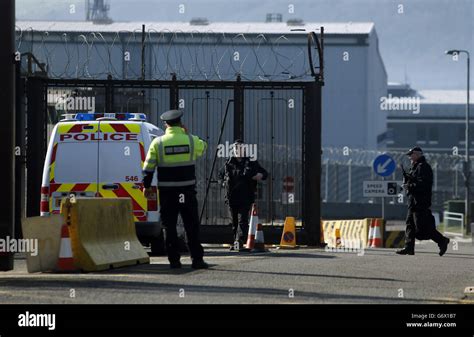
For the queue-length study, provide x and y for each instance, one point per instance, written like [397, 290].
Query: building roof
[444, 96]
[432, 104]
[342, 28]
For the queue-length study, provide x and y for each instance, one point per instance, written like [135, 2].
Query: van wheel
[158, 245]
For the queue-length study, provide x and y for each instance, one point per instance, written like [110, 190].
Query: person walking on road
[240, 176]
[420, 222]
[174, 155]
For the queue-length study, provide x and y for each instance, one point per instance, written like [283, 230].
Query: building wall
[376, 88]
[345, 97]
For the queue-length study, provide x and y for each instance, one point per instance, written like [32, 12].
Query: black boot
[406, 251]
[443, 247]
[200, 264]
[175, 265]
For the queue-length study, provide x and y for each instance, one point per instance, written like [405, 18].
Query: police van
[102, 155]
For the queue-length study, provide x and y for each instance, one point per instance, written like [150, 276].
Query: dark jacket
[237, 178]
[420, 185]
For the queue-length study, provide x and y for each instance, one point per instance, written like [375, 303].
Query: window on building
[434, 135]
[462, 134]
[421, 134]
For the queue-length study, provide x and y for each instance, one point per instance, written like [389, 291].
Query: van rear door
[74, 162]
[121, 154]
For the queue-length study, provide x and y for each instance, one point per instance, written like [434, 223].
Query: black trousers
[419, 227]
[240, 221]
[180, 201]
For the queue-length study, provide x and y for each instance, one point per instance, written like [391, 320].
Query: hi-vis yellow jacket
[173, 155]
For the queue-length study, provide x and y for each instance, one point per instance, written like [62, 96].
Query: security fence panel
[205, 115]
[343, 172]
[150, 101]
[273, 126]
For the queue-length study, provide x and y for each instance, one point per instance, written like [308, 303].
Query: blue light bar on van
[125, 116]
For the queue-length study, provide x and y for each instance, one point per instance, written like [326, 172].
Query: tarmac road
[310, 275]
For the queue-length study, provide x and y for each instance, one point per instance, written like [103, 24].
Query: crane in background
[97, 11]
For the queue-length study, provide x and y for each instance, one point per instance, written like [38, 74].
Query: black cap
[415, 149]
[171, 115]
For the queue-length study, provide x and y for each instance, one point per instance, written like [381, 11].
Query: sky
[413, 34]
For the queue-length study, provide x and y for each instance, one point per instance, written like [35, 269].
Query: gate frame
[311, 131]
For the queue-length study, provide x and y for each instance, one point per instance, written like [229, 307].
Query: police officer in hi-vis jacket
[173, 155]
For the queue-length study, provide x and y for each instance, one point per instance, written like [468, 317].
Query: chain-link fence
[344, 170]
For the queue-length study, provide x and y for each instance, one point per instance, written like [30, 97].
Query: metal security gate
[272, 116]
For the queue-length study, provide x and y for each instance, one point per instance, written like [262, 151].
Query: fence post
[349, 174]
[326, 182]
[20, 161]
[109, 96]
[238, 109]
[174, 93]
[36, 143]
[312, 163]
[456, 182]
[7, 121]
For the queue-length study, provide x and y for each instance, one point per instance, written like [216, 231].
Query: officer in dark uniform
[420, 222]
[174, 155]
[240, 176]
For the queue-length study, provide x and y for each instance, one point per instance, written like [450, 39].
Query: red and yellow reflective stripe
[126, 190]
[70, 187]
[119, 127]
[142, 153]
[77, 128]
[52, 164]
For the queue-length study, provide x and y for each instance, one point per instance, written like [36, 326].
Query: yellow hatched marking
[91, 188]
[51, 171]
[64, 127]
[135, 128]
[106, 128]
[136, 194]
[93, 130]
[107, 194]
[65, 187]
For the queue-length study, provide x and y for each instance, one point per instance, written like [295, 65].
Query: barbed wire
[361, 157]
[190, 55]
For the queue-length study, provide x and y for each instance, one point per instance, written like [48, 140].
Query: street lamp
[467, 167]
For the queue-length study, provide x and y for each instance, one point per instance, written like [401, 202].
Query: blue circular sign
[384, 165]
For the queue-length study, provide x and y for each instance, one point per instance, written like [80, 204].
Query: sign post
[384, 165]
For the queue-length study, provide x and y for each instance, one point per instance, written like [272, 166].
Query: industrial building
[435, 120]
[355, 76]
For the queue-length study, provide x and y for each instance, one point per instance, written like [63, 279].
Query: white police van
[97, 155]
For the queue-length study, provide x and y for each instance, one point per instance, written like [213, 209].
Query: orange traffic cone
[338, 237]
[321, 233]
[377, 239]
[371, 233]
[66, 260]
[288, 237]
[252, 228]
[259, 240]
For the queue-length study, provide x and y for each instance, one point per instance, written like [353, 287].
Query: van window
[76, 162]
[119, 162]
